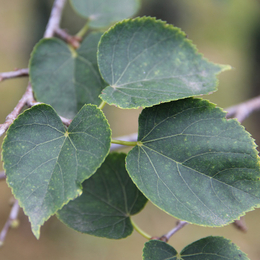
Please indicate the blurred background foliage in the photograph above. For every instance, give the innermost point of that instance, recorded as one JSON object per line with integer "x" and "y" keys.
{"x": 225, "y": 31}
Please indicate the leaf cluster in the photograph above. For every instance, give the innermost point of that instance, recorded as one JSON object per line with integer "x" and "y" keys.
{"x": 189, "y": 160}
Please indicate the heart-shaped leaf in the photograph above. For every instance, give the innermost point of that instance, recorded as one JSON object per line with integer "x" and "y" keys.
{"x": 208, "y": 248}
{"x": 64, "y": 78}
{"x": 194, "y": 164}
{"x": 108, "y": 200}
{"x": 102, "y": 13}
{"x": 45, "y": 163}
{"x": 147, "y": 62}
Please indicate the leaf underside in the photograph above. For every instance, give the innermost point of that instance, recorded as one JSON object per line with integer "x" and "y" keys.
{"x": 64, "y": 78}
{"x": 45, "y": 163}
{"x": 102, "y": 13}
{"x": 108, "y": 200}
{"x": 147, "y": 62}
{"x": 210, "y": 248}
{"x": 194, "y": 164}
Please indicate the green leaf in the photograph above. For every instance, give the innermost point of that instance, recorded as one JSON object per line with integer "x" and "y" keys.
{"x": 194, "y": 164}
{"x": 209, "y": 248}
{"x": 108, "y": 200}
{"x": 64, "y": 78}
{"x": 45, "y": 164}
{"x": 147, "y": 62}
{"x": 159, "y": 250}
{"x": 102, "y": 13}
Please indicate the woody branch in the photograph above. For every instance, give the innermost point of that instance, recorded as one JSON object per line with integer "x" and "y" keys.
{"x": 27, "y": 99}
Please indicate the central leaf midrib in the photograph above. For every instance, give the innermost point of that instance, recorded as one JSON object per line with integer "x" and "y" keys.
{"x": 56, "y": 163}
{"x": 149, "y": 80}
{"x": 165, "y": 184}
{"x": 122, "y": 187}
{"x": 203, "y": 174}
{"x": 206, "y": 253}
{"x": 123, "y": 214}
{"x": 139, "y": 54}
{"x": 196, "y": 135}
{"x": 174, "y": 116}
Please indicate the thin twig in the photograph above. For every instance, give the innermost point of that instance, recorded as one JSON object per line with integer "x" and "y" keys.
{"x": 240, "y": 111}
{"x": 167, "y": 236}
{"x": 27, "y": 99}
{"x": 55, "y": 18}
{"x": 241, "y": 224}
{"x": 74, "y": 41}
{"x": 12, "y": 217}
{"x": 65, "y": 121}
{"x": 243, "y": 110}
{"x": 2, "y": 175}
{"x": 14, "y": 74}
{"x": 52, "y": 26}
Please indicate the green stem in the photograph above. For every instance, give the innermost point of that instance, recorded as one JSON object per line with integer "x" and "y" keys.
{"x": 101, "y": 106}
{"x": 123, "y": 142}
{"x": 83, "y": 30}
{"x": 140, "y": 231}
{"x": 73, "y": 52}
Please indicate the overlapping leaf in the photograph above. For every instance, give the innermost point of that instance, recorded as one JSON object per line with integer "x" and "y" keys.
{"x": 102, "y": 13}
{"x": 147, "y": 62}
{"x": 64, "y": 78}
{"x": 194, "y": 164}
{"x": 210, "y": 248}
{"x": 45, "y": 163}
{"x": 108, "y": 200}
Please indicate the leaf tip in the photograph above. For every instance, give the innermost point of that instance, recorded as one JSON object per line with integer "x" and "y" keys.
{"x": 36, "y": 231}
{"x": 225, "y": 67}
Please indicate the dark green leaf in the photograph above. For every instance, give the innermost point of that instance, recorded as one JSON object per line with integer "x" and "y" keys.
{"x": 147, "y": 62}
{"x": 159, "y": 250}
{"x": 194, "y": 164}
{"x": 108, "y": 200}
{"x": 102, "y": 13}
{"x": 212, "y": 248}
{"x": 209, "y": 248}
{"x": 45, "y": 164}
{"x": 64, "y": 78}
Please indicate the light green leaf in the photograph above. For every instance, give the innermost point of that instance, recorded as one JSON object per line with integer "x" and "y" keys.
{"x": 108, "y": 200}
{"x": 147, "y": 62}
{"x": 102, "y": 13}
{"x": 195, "y": 164}
{"x": 45, "y": 164}
{"x": 209, "y": 248}
{"x": 64, "y": 78}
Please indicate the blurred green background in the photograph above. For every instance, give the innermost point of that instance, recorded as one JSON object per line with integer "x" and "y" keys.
{"x": 225, "y": 31}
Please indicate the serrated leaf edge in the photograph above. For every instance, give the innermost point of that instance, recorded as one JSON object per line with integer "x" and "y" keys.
{"x": 173, "y": 28}
{"x": 258, "y": 162}
{"x": 36, "y": 229}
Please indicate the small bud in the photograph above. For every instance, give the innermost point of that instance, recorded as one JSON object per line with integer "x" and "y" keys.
{"x": 154, "y": 238}
{"x": 15, "y": 223}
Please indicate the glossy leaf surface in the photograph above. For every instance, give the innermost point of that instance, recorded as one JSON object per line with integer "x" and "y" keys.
{"x": 147, "y": 62}
{"x": 209, "y": 248}
{"x": 108, "y": 200}
{"x": 194, "y": 164}
{"x": 64, "y": 78}
{"x": 102, "y": 13}
{"x": 45, "y": 163}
